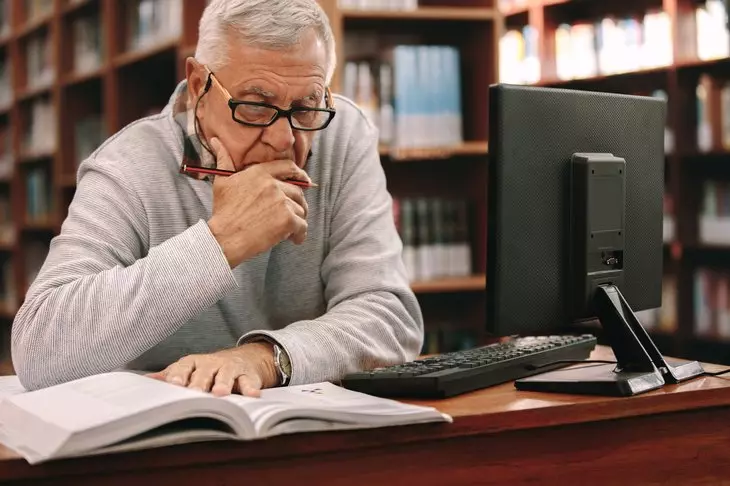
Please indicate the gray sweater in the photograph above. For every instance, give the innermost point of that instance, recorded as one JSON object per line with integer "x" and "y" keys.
{"x": 136, "y": 280}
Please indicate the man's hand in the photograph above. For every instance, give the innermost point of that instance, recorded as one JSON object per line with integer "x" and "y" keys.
{"x": 245, "y": 370}
{"x": 255, "y": 209}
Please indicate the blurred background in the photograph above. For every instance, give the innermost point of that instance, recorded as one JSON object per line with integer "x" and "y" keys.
{"x": 73, "y": 72}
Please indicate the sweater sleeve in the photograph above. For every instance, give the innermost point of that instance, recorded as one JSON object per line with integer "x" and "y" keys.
{"x": 372, "y": 318}
{"x": 102, "y": 298}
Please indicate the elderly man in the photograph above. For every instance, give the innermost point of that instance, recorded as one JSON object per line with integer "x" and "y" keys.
{"x": 229, "y": 284}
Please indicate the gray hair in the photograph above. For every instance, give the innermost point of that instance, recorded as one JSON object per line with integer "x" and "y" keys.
{"x": 266, "y": 24}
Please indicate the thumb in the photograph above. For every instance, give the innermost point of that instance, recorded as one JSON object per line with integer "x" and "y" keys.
{"x": 223, "y": 159}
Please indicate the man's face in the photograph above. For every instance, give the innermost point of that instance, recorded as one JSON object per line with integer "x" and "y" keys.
{"x": 289, "y": 78}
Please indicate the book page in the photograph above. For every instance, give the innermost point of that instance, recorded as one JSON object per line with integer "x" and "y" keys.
{"x": 9, "y": 386}
{"x": 99, "y": 399}
{"x": 325, "y": 406}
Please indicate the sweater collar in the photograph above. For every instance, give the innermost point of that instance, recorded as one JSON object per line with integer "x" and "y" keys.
{"x": 194, "y": 154}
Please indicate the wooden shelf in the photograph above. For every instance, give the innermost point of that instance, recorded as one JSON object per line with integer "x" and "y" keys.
{"x": 466, "y": 149}
{"x": 35, "y": 25}
{"x": 138, "y": 55}
{"x": 469, "y": 14}
{"x": 32, "y": 157}
{"x": 456, "y": 284}
{"x": 78, "y": 5}
{"x": 605, "y": 77}
{"x": 35, "y": 92}
{"x": 40, "y": 225}
{"x": 78, "y": 78}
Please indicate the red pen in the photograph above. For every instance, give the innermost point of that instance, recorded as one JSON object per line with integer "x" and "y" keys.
{"x": 225, "y": 173}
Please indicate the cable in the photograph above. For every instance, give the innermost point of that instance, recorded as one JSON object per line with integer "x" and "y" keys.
{"x": 716, "y": 373}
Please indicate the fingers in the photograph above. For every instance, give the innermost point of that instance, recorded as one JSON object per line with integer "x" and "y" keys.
{"x": 179, "y": 372}
{"x": 203, "y": 377}
{"x": 296, "y": 194}
{"x": 285, "y": 169}
{"x": 223, "y": 158}
{"x": 248, "y": 386}
{"x": 225, "y": 380}
{"x": 299, "y": 230}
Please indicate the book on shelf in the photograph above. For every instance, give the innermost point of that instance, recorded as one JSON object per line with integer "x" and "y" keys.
{"x": 40, "y": 70}
{"x": 705, "y": 108}
{"x": 40, "y": 129}
{"x": 88, "y": 43}
{"x": 669, "y": 230}
{"x": 584, "y": 49}
{"x": 378, "y": 4}
{"x": 35, "y": 9}
{"x": 713, "y": 41}
{"x": 5, "y": 17}
{"x": 664, "y": 318}
{"x": 435, "y": 237}
{"x": 714, "y": 218}
{"x": 412, "y": 93}
{"x": 6, "y": 86}
{"x": 89, "y": 133}
{"x": 124, "y": 411}
{"x": 6, "y": 151}
{"x": 152, "y": 22}
{"x": 712, "y": 303}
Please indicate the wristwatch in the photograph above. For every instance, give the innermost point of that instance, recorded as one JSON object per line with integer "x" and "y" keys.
{"x": 283, "y": 364}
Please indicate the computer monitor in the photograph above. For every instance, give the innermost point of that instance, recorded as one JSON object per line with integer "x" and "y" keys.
{"x": 575, "y": 189}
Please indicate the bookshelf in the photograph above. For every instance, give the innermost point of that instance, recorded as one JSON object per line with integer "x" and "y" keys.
{"x": 96, "y": 78}
{"x": 685, "y": 57}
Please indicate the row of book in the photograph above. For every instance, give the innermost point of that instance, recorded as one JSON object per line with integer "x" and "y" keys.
{"x": 6, "y": 86}
{"x": 38, "y": 194}
{"x": 152, "y": 22}
{"x": 88, "y": 43}
{"x": 40, "y": 133}
{"x": 714, "y": 220}
{"x": 5, "y": 17}
{"x": 709, "y": 138}
{"x": 89, "y": 133}
{"x": 35, "y": 9}
{"x": 612, "y": 45}
{"x": 712, "y": 303}
{"x": 412, "y": 94}
{"x": 664, "y": 318}
{"x": 7, "y": 228}
{"x": 435, "y": 235}
{"x": 378, "y": 4}
{"x": 40, "y": 69}
{"x": 6, "y": 151}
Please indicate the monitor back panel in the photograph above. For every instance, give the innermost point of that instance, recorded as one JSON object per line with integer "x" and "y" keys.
{"x": 533, "y": 133}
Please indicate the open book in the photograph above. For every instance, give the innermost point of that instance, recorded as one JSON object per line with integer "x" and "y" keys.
{"x": 126, "y": 411}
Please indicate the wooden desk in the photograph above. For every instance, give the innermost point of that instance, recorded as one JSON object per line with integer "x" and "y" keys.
{"x": 677, "y": 435}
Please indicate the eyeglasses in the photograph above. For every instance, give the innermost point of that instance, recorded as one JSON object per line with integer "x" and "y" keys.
{"x": 255, "y": 114}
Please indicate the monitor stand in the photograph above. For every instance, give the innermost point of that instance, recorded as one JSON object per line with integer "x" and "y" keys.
{"x": 639, "y": 368}
{"x": 596, "y": 245}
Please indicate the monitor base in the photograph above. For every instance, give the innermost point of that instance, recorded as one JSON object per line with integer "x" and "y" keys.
{"x": 593, "y": 379}
{"x": 639, "y": 368}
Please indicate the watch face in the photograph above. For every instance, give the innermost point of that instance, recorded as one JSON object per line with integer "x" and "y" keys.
{"x": 284, "y": 362}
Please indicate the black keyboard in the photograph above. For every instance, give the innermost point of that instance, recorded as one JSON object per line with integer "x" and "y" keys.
{"x": 450, "y": 374}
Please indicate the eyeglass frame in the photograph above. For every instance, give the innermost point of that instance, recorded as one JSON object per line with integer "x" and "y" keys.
{"x": 233, "y": 103}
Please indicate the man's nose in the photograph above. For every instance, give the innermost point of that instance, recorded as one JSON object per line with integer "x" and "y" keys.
{"x": 279, "y": 135}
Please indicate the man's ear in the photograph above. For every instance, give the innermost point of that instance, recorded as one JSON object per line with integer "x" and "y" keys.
{"x": 198, "y": 82}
